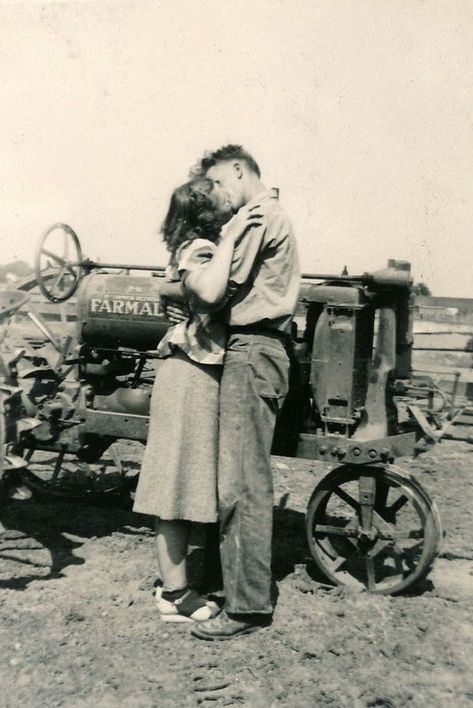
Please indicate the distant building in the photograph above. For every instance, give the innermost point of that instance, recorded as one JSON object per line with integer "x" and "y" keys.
{"x": 445, "y": 309}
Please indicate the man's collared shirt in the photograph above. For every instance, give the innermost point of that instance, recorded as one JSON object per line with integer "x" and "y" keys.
{"x": 265, "y": 271}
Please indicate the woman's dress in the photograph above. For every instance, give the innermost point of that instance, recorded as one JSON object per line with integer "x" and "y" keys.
{"x": 178, "y": 478}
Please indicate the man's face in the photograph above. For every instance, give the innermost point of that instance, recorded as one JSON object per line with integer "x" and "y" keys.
{"x": 227, "y": 184}
{"x": 220, "y": 203}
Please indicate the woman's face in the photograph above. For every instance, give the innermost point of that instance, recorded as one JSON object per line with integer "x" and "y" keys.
{"x": 220, "y": 203}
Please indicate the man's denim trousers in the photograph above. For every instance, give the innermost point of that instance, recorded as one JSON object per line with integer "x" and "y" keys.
{"x": 253, "y": 386}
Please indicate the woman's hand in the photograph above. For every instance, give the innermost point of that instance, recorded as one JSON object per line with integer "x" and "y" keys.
{"x": 244, "y": 219}
{"x": 210, "y": 283}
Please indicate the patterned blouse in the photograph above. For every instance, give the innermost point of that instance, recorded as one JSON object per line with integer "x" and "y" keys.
{"x": 202, "y": 336}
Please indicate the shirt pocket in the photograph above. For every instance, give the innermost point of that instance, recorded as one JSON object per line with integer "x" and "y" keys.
{"x": 270, "y": 368}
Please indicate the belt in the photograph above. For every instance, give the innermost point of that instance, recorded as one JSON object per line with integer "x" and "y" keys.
{"x": 261, "y": 331}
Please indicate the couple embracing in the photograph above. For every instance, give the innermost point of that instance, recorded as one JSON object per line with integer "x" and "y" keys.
{"x": 219, "y": 386}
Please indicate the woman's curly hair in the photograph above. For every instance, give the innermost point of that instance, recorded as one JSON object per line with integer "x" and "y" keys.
{"x": 191, "y": 214}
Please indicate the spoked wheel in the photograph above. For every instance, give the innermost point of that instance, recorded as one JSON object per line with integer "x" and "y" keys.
{"x": 61, "y": 477}
{"x": 2, "y": 436}
{"x": 372, "y": 527}
{"x": 3, "y": 481}
{"x": 58, "y": 250}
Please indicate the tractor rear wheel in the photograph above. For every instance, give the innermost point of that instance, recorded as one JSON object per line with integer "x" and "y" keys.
{"x": 53, "y": 475}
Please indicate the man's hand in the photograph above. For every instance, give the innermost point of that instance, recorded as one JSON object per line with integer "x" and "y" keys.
{"x": 174, "y": 301}
{"x": 175, "y": 311}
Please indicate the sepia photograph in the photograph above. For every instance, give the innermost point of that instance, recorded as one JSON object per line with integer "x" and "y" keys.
{"x": 236, "y": 353}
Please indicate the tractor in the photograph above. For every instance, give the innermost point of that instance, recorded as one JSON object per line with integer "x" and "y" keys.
{"x": 353, "y": 402}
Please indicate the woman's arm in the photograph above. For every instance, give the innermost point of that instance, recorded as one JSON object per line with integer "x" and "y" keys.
{"x": 210, "y": 283}
{"x": 173, "y": 290}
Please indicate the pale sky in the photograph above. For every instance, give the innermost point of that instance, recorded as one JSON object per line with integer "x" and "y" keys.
{"x": 360, "y": 111}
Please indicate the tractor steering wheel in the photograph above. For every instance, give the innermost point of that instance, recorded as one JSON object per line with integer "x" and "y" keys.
{"x": 58, "y": 239}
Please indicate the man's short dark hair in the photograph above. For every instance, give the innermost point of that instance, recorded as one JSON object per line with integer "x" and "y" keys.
{"x": 225, "y": 154}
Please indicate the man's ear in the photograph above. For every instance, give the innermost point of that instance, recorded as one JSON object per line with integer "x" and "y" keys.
{"x": 238, "y": 170}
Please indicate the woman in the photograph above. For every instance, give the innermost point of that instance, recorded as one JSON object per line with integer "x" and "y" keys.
{"x": 178, "y": 480}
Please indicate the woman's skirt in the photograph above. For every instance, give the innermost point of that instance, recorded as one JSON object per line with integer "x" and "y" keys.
{"x": 178, "y": 478}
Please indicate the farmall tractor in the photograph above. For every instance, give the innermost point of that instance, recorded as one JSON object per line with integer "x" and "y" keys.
{"x": 353, "y": 403}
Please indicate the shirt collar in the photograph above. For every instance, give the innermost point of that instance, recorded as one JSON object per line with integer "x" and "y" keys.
{"x": 265, "y": 194}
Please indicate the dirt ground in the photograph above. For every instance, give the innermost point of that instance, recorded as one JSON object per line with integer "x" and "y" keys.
{"x": 80, "y": 628}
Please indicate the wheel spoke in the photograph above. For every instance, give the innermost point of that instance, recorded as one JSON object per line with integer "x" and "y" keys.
{"x": 386, "y": 531}
{"x": 398, "y": 504}
{"x": 58, "y": 280}
{"x": 370, "y": 573}
{"x": 56, "y": 258}
{"x": 60, "y": 261}
{"x": 367, "y": 489}
{"x": 335, "y": 530}
{"x": 344, "y": 496}
{"x": 413, "y": 533}
{"x": 339, "y": 561}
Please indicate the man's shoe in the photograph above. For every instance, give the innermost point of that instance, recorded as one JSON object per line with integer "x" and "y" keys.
{"x": 226, "y": 627}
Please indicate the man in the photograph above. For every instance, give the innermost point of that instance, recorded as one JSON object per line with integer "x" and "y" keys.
{"x": 265, "y": 278}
